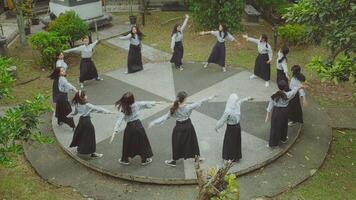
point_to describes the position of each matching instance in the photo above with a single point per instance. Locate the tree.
(20, 22)
(48, 44)
(71, 25)
(332, 20)
(209, 13)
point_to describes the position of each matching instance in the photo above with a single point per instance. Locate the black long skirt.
(232, 143)
(295, 111)
(177, 54)
(84, 136)
(279, 126)
(184, 141)
(281, 76)
(134, 60)
(135, 142)
(262, 68)
(63, 109)
(87, 70)
(218, 54)
(55, 91)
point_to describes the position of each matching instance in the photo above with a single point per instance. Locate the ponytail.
(265, 38)
(285, 51)
(79, 98)
(125, 102)
(181, 96)
(296, 70)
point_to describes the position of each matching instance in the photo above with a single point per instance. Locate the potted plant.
(133, 18)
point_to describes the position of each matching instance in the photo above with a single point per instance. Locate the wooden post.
(20, 23)
(96, 30)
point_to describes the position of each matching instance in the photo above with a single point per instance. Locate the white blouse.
(86, 51)
(282, 65)
(84, 110)
(61, 63)
(220, 36)
(65, 86)
(263, 47)
(133, 40)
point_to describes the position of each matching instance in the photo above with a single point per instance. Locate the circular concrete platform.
(160, 82)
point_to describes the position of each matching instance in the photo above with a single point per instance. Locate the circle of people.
(284, 108)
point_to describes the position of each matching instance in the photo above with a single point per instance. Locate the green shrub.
(71, 25)
(209, 13)
(21, 123)
(341, 71)
(293, 33)
(6, 81)
(232, 191)
(48, 44)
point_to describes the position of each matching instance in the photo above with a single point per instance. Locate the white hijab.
(232, 106)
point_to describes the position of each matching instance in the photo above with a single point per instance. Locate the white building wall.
(85, 11)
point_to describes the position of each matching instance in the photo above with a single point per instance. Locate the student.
(264, 58)
(218, 54)
(60, 89)
(87, 67)
(60, 61)
(134, 59)
(84, 134)
(232, 140)
(282, 67)
(177, 43)
(295, 111)
(135, 141)
(278, 106)
(184, 138)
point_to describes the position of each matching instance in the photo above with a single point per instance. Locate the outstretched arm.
(73, 113)
(221, 121)
(126, 37)
(160, 120)
(269, 110)
(184, 23)
(146, 104)
(98, 109)
(75, 49)
(251, 39)
(92, 45)
(197, 104)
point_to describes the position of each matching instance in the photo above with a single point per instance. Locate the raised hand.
(245, 36)
(186, 16)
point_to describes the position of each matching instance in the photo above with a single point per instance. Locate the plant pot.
(133, 19)
(35, 21)
(27, 30)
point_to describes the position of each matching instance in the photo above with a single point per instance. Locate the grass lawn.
(21, 182)
(197, 48)
(336, 179)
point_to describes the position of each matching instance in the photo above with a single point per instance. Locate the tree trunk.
(20, 23)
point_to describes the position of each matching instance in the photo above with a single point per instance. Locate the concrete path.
(199, 83)
(301, 162)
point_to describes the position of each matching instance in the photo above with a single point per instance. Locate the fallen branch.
(170, 20)
(28, 81)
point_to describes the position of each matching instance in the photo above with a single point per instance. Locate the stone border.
(165, 181)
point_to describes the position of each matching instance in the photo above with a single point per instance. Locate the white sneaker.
(96, 155)
(171, 163)
(285, 140)
(81, 85)
(253, 76)
(181, 68)
(223, 69)
(206, 65)
(291, 123)
(123, 163)
(148, 161)
(267, 83)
